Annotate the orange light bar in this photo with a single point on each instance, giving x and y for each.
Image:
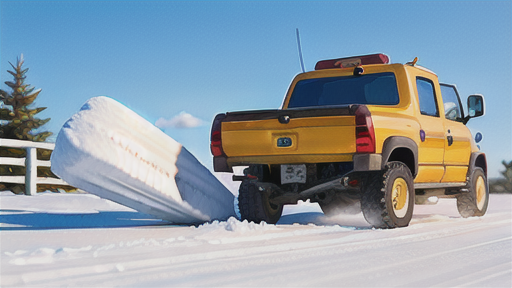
(352, 61)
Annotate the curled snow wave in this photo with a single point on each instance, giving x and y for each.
(108, 150)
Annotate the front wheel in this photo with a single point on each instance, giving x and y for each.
(255, 206)
(475, 201)
(388, 196)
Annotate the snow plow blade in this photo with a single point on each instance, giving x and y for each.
(108, 150)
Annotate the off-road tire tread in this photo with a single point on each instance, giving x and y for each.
(466, 201)
(250, 204)
(373, 202)
(373, 199)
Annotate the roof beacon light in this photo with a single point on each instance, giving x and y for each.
(352, 61)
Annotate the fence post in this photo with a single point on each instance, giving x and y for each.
(31, 171)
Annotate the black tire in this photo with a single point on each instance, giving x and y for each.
(382, 203)
(474, 202)
(254, 205)
(341, 204)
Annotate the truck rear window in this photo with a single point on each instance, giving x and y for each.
(376, 89)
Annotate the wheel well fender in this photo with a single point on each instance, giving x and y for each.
(477, 159)
(401, 149)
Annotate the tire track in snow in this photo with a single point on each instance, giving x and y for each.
(216, 260)
(479, 277)
(191, 269)
(405, 263)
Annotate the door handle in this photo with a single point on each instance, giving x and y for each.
(450, 140)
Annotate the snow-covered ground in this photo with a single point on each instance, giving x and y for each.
(68, 240)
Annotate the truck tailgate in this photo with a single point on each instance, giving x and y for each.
(289, 132)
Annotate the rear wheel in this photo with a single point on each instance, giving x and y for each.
(475, 201)
(254, 204)
(388, 196)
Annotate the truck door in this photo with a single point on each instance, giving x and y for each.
(431, 147)
(458, 138)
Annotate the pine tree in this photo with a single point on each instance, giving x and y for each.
(20, 117)
(18, 121)
(502, 185)
(508, 175)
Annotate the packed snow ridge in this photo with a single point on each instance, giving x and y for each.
(108, 150)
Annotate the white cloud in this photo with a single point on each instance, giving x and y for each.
(182, 120)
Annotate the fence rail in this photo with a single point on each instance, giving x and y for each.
(30, 162)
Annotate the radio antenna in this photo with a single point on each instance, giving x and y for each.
(300, 51)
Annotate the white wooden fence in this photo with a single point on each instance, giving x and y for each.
(30, 162)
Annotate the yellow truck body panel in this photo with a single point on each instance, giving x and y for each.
(310, 136)
(332, 138)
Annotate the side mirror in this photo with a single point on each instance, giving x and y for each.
(475, 107)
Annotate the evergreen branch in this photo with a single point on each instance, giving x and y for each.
(29, 90)
(33, 112)
(30, 94)
(4, 95)
(27, 100)
(41, 137)
(21, 61)
(11, 84)
(42, 122)
(28, 114)
(6, 114)
(8, 101)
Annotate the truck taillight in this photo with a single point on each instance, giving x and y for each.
(216, 139)
(216, 144)
(365, 134)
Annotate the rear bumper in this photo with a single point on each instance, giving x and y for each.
(367, 162)
(220, 164)
(362, 162)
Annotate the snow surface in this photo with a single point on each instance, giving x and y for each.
(55, 240)
(136, 165)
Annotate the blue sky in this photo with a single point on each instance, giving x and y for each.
(161, 58)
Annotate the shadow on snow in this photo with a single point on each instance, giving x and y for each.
(40, 220)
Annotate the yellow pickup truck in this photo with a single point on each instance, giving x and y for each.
(359, 133)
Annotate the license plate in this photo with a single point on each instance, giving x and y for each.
(293, 174)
